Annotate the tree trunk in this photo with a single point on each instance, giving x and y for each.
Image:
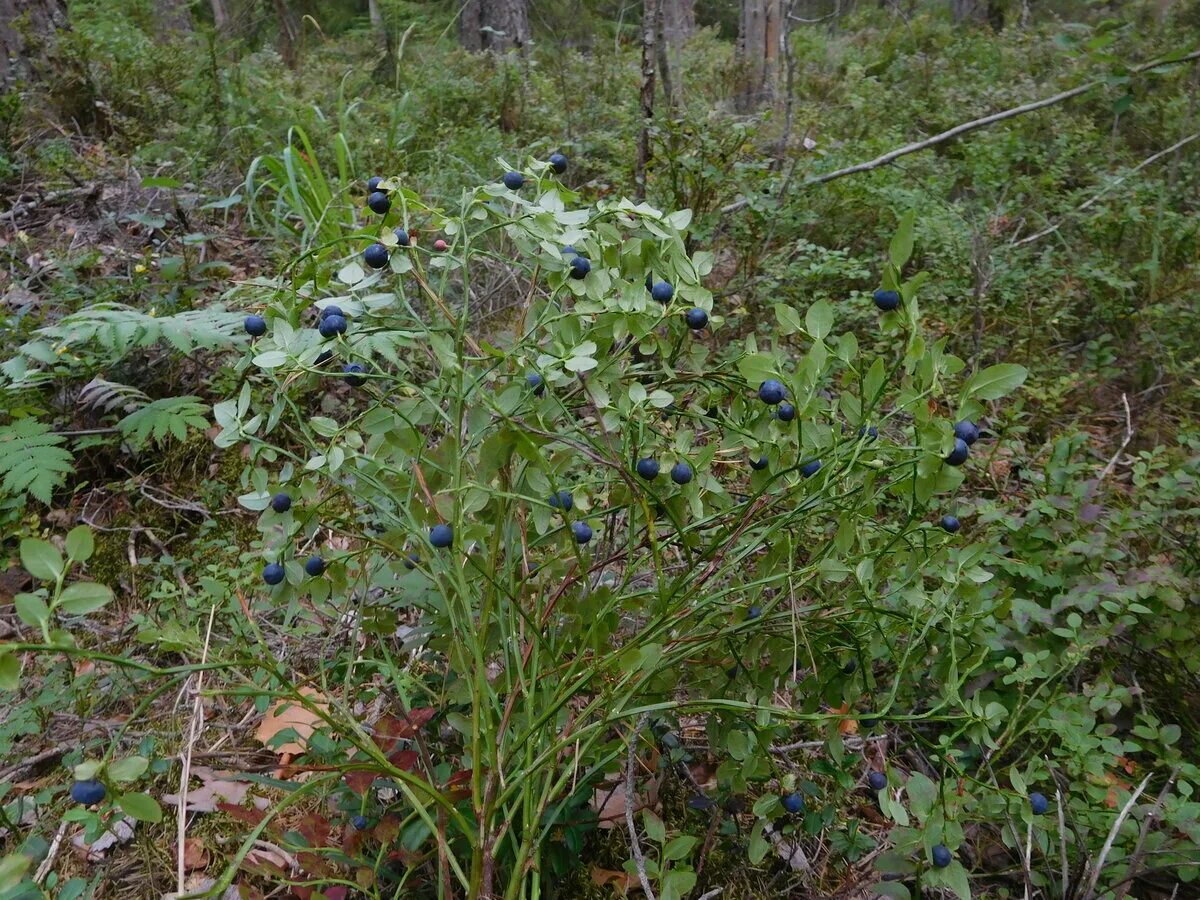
(28, 29)
(289, 33)
(172, 16)
(495, 25)
(387, 65)
(650, 25)
(221, 19)
(376, 14)
(758, 43)
(678, 25)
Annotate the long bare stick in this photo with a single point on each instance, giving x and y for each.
(964, 128)
(1112, 463)
(1112, 836)
(195, 726)
(1136, 859)
(638, 859)
(1107, 188)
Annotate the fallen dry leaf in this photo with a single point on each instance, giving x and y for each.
(290, 714)
(195, 854)
(213, 790)
(608, 802)
(120, 831)
(622, 881)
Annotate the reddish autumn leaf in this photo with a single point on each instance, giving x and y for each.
(315, 830)
(390, 730)
(404, 759)
(251, 817)
(460, 777)
(359, 781)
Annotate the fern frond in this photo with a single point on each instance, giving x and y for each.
(168, 416)
(32, 460)
(101, 394)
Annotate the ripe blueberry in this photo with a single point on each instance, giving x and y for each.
(256, 326)
(331, 310)
(402, 237)
(647, 468)
(534, 380)
(558, 162)
(582, 532)
(959, 454)
(281, 503)
(332, 326)
(513, 180)
(1038, 803)
(314, 566)
(755, 612)
(941, 856)
(273, 573)
(758, 464)
(411, 561)
(887, 300)
(967, 431)
(809, 469)
(786, 412)
(376, 256)
(681, 473)
(872, 432)
(662, 292)
(360, 823)
(562, 500)
(771, 391)
(87, 793)
(696, 319)
(794, 802)
(950, 524)
(580, 266)
(379, 203)
(569, 250)
(353, 374)
(373, 184)
(440, 246)
(441, 536)
(877, 781)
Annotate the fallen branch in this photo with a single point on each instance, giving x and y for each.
(638, 859)
(965, 127)
(1112, 463)
(1112, 836)
(24, 208)
(1139, 849)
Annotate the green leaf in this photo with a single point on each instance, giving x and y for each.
(921, 794)
(678, 884)
(901, 247)
(788, 318)
(131, 768)
(892, 889)
(41, 559)
(957, 880)
(818, 320)
(88, 770)
(271, 359)
(994, 382)
(84, 597)
(80, 543)
(679, 847)
(12, 870)
(32, 609)
(10, 671)
(758, 844)
(655, 829)
(142, 807)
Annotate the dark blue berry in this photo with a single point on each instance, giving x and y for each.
(941, 856)
(794, 802)
(647, 468)
(256, 326)
(569, 250)
(360, 823)
(411, 561)
(273, 573)
(87, 793)
(755, 612)
(562, 500)
(314, 566)
(441, 536)
(662, 292)
(771, 392)
(331, 310)
(580, 266)
(514, 180)
(869, 431)
(281, 503)
(809, 469)
(1038, 803)
(887, 300)
(877, 781)
(536, 383)
(758, 464)
(681, 473)
(376, 256)
(558, 162)
(353, 374)
(959, 454)
(697, 319)
(332, 326)
(967, 432)
(582, 532)
(378, 202)
(373, 184)
(402, 237)
(786, 412)
(950, 524)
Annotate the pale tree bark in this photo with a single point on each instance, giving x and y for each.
(759, 38)
(376, 13)
(495, 25)
(28, 32)
(678, 25)
(220, 14)
(379, 25)
(978, 12)
(289, 32)
(650, 26)
(172, 16)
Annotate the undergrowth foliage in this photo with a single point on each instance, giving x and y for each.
(489, 487)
